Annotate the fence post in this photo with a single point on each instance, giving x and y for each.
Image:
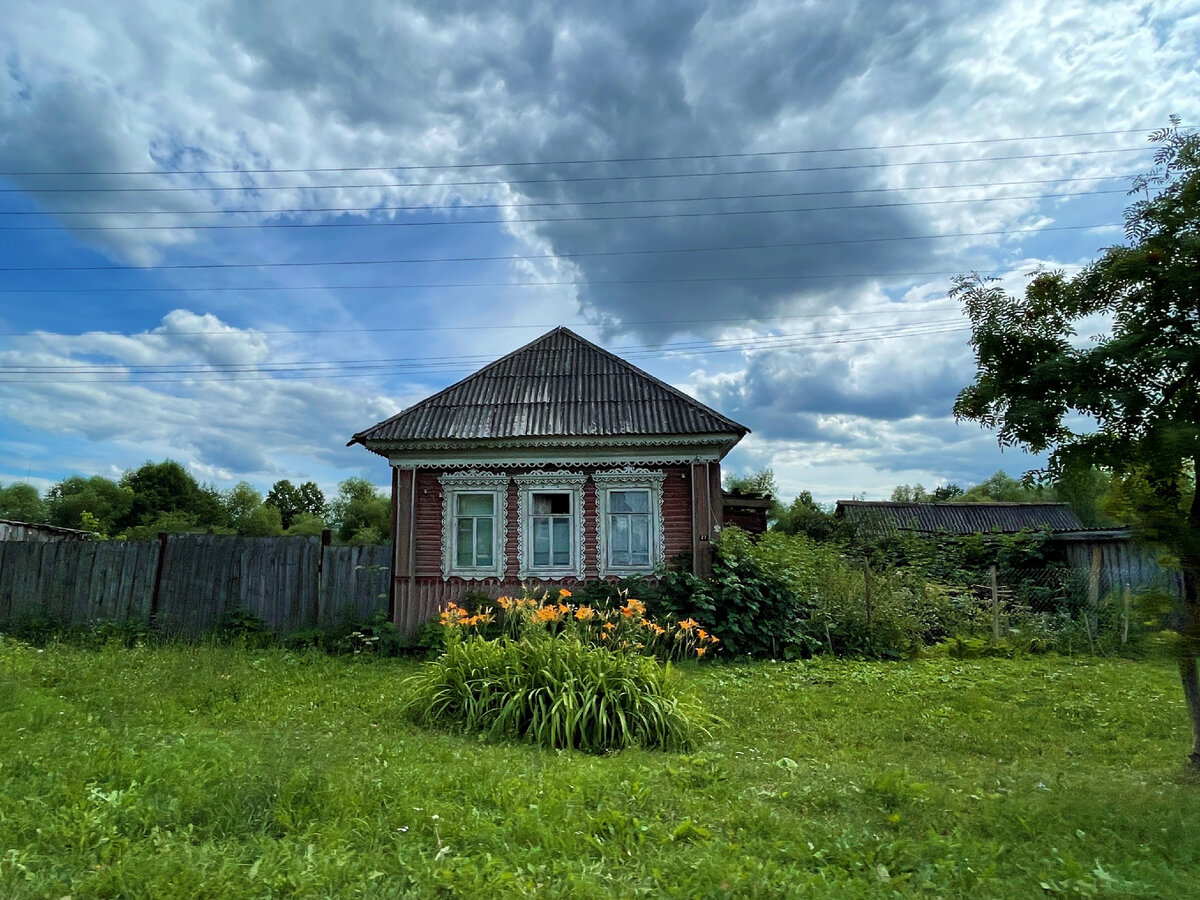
(158, 574)
(995, 607)
(326, 539)
(867, 591)
(1125, 604)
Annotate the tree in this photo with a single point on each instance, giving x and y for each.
(1128, 402)
(946, 493)
(240, 503)
(806, 516)
(360, 506)
(165, 487)
(311, 499)
(285, 497)
(107, 502)
(21, 502)
(1003, 488)
(761, 483)
(307, 524)
(263, 521)
(910, 493)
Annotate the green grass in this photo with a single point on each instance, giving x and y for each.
(211, 772)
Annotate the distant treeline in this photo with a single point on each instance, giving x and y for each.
(165, 497)
(1098, 499)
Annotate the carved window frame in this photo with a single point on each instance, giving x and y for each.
(549, 483)
(474, 482)
(627, 479)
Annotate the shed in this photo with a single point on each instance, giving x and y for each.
(1110, 556)
(33, 531)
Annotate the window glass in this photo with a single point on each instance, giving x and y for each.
(474, 531)
(550, 530)
(475, 504)
(629, 528)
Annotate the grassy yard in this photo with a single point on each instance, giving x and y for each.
(207, 772)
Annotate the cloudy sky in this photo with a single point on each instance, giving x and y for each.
(235, 233)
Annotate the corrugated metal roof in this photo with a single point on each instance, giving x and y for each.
(959, 518)
(559, 385)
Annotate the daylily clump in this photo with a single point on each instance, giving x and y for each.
(622, 628)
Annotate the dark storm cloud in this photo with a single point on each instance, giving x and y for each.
(549, 81)
(783, 392)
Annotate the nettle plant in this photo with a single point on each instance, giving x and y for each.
(563, 676)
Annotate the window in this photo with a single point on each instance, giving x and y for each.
(474, 531)
(629, 519)
(629, 529)
(551, 524)
(474, 520)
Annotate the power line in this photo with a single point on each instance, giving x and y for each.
(464, 365)
(566, 180)
(559, 255)
(94, 368)
(594, 161)
(457, 207)
(430, 328)
(617, 218)
(473, 284)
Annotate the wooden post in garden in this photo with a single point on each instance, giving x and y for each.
(152, 618)
(1125, 604)
(867, 591)
(995, 607)
(326, 540)
(1093, 621)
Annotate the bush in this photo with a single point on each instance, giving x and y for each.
(756, 605)
(788, 596)
(557, 691)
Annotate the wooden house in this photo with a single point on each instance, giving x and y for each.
(556, 464)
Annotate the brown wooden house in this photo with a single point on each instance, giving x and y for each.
(556, 464)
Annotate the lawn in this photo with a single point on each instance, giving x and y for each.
(207, 772)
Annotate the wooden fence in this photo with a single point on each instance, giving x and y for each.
(187, 583)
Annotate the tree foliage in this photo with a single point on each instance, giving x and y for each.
(21, 502)
(292, 501)
(759, 484)
(102, 498)
(1127, 402)
(362, 512)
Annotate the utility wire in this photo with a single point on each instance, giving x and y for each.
(473, 284)
(594, 161)
(464, 366)
(308, 365)
(523, 221)
(559, 255)
(566, 180)
(458, 207)
(430, 328)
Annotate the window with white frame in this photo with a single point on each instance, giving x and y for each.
(474, 531)
(551, 524)
(629, 529)
(629, 514)
(474, 519)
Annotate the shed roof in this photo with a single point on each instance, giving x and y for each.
(960, 518)
(559, 385)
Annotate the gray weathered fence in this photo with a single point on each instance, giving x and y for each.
(187, 583)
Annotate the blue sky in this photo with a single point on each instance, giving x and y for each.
(393, 170)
